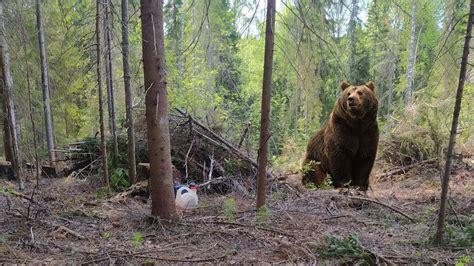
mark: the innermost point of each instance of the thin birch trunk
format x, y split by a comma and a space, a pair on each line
132, 170
103, 141
45, 85
109, 79
411, 58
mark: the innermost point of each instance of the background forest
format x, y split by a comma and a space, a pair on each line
214, 51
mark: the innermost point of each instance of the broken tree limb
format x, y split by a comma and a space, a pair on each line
214, 181
385, 205
404, 169
20, 195
224, 143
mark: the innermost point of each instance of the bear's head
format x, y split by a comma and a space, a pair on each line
359, 101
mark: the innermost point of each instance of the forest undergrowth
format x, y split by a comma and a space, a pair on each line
71, 220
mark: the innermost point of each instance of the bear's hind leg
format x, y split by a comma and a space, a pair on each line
315, 174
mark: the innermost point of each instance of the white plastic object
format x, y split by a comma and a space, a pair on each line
186, 198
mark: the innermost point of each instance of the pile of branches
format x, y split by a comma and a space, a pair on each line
198, 153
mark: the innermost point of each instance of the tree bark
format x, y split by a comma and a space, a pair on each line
132, 170
452, 137
265, 112
7, 142
159, 150
45, 85
411, 59
25, 40
109, 79
8, 100
352, 41
103, 142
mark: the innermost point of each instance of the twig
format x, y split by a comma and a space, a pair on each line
18, 194
85, 167
272, 230
182, 260
72, 232
385, 205
186, 158
214, 181
402, 170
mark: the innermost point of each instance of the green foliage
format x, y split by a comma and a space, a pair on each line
230, 209
347, 247
309, 166
262, 216
279, 196
105, 235
137, 239
464, 260
119, 179
101, 193
311, 186
457, 237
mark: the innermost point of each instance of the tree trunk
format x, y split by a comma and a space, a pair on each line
7, 142
159, 150
452, 137
109, 79
411, 59
132, 170
265, 112
103, 142
45, 85
353, 42
30, 104
8, 100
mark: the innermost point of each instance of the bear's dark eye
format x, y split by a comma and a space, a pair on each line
359, 92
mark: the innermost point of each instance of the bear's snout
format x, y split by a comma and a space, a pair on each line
353, 101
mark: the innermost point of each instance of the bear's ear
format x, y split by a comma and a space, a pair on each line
345, 85
370, 85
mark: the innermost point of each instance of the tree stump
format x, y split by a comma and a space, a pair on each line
48, 171
6, 170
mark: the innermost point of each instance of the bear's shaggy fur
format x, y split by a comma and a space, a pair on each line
346, 147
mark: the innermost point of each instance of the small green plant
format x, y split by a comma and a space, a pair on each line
347, 247
326, 185
279, 195
463, 261
119, 179
149, 261
455, 237
311, 186
262, 216
105, 235
309, 166
101, 193
137, 239
230, 209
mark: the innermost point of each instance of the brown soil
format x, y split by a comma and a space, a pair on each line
69, 223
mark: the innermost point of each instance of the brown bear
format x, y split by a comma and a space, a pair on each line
346, 146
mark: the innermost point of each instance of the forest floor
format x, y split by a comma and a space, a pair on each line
70, 222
